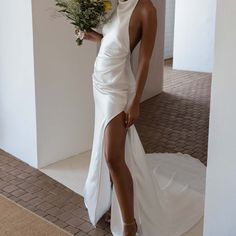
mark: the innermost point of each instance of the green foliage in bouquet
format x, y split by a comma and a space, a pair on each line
85, 14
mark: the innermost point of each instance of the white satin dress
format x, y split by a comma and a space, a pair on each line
168, 187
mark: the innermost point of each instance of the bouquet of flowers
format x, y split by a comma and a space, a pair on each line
85, 14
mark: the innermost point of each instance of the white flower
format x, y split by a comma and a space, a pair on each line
80, 34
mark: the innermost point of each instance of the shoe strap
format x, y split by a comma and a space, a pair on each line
133, 222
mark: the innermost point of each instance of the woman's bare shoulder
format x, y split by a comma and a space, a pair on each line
147, 7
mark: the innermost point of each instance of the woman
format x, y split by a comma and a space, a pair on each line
140, 205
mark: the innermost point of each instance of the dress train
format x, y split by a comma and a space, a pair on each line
168, 187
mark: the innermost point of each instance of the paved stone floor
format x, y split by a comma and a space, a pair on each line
174, 121
177, 120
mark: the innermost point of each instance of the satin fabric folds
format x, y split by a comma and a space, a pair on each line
168, 187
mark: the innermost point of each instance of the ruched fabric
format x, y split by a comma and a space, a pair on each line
168, 187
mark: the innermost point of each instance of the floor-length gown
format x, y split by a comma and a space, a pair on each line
168, 188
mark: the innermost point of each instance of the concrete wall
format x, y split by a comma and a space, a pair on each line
220, 208
63, 74
46, 99
17, 88
194, 35
169, 29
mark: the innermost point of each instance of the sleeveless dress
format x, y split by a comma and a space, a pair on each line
168, 187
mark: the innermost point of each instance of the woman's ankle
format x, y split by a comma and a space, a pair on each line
130, 228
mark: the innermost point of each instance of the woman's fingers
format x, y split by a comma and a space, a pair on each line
90, 36
126, 118
129, 120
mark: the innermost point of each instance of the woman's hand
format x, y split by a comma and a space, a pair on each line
132, 114
91, 35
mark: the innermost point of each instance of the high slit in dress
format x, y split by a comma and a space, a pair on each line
168, 187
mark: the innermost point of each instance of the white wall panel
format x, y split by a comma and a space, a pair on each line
220, 204
63, 75
169, 29
17, 88
194, 35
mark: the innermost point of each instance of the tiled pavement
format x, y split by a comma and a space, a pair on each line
46, 197
176, 120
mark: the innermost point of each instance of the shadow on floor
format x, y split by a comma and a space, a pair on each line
177, 120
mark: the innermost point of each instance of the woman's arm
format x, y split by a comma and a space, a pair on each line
149, 28
91, 35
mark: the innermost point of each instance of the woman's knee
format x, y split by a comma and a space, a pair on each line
114, 142
114, 160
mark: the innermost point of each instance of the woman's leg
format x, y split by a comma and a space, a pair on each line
114, 145
108, 213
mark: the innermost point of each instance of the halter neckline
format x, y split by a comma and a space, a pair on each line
122, 1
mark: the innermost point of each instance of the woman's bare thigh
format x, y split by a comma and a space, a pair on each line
114, 139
